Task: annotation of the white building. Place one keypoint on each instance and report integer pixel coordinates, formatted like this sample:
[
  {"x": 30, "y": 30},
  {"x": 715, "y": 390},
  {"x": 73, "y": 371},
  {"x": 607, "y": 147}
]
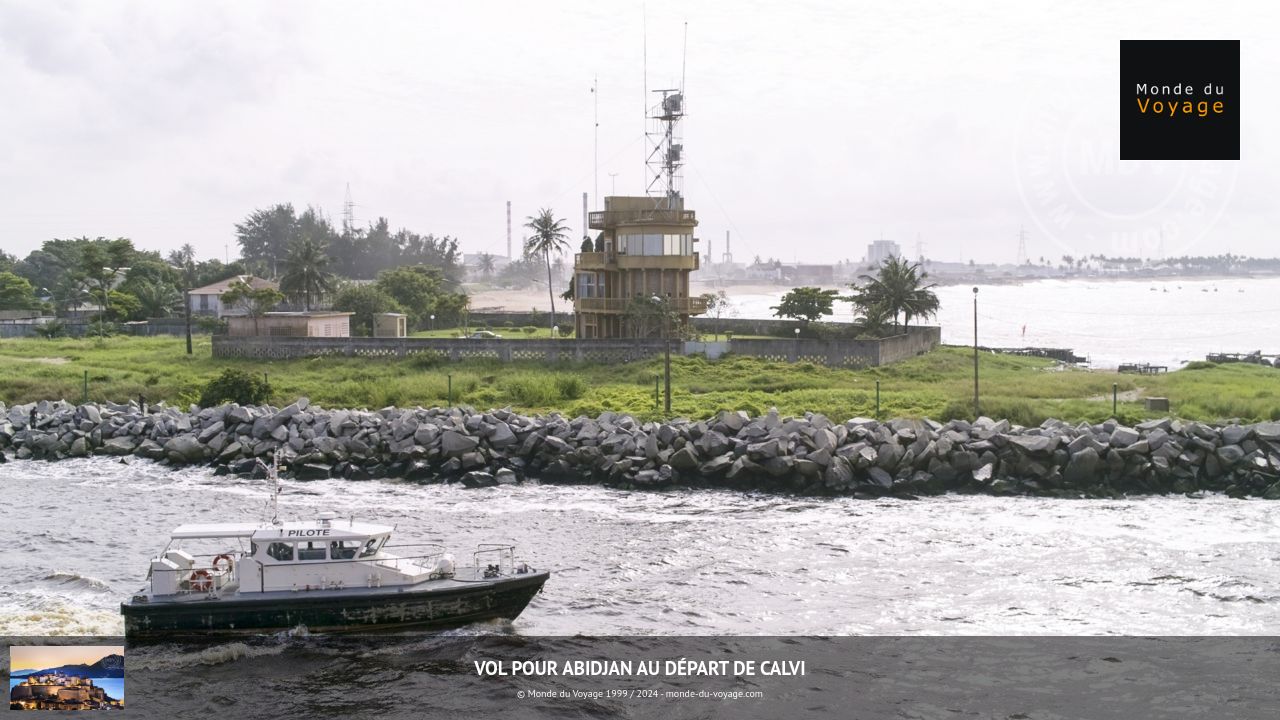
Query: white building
[
  {"x": 880, "y": 250},
  {"x": 207, "y": 300}
]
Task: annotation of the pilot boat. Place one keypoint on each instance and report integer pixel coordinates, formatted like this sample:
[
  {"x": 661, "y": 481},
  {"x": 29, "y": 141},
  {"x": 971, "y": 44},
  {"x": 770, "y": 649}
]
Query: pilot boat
[{"x": 327, "y": 574}]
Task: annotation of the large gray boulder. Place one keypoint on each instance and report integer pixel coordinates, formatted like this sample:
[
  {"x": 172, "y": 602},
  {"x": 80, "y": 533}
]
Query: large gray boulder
[{"x": 454, "y": 443}]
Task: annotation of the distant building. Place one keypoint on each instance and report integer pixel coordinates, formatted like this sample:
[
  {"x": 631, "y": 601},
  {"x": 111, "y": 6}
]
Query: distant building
[
  {"x": 292, "y": 324},
  {"x": 798, "y": 274},
  {"x": 769, "y": 270},
  {"x": 471, "y": 262},
  {"x": 880, "y": 250},
  {"x": 647, "y": 252},
  {"x": 390, "y": 325},
  {"x": 207, "y": 300}
]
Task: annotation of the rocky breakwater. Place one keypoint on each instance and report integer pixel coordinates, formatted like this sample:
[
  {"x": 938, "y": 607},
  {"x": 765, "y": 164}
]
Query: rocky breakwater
[{"x": 809, "y": 454}]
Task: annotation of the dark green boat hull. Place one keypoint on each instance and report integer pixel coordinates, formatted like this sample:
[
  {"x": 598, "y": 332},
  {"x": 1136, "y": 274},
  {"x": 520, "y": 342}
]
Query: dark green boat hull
[{"x": 348, "y": 610}]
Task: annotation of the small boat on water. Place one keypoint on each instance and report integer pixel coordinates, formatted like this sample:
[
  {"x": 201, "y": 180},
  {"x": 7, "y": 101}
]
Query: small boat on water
[{"x": 326, "y": 574}]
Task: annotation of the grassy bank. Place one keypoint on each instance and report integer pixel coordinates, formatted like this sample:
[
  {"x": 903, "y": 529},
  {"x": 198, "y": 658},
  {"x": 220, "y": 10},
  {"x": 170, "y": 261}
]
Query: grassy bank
[{"x": 937, "y": 385}]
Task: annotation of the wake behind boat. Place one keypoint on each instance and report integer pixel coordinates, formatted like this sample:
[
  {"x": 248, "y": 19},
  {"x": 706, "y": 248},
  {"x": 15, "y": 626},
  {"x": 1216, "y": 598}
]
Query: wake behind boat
[{"x": 328, "y": 574}]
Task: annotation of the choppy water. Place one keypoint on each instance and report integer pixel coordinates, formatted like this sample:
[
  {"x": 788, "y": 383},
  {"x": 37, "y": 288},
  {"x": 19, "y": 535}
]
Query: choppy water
[
  {"x": 78, "y": 534},
  {"x": 1163, "y": 322}
]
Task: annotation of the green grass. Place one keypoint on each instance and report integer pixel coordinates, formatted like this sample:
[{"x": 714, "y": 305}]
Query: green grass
[{"x": 937, "y": 385}]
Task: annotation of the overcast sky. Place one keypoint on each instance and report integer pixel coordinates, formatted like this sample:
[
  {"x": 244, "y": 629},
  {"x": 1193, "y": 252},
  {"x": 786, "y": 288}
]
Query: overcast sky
[{"x": 813, "y": 127}]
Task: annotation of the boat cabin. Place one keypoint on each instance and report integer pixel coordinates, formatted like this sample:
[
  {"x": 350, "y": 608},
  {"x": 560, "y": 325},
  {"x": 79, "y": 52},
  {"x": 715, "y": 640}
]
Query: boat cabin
[{"x": 325, "y": 553}]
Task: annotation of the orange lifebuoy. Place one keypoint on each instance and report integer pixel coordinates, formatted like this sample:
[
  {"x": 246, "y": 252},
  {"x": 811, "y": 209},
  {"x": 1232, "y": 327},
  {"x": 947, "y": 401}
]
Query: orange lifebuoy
[
  {"x": 201, "y": 581},
  {"x": 220, "y": 558}
]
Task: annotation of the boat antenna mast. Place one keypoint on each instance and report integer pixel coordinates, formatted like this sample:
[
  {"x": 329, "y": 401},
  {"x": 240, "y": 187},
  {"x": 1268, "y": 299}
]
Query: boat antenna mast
[{"x": 273, "y": 474}]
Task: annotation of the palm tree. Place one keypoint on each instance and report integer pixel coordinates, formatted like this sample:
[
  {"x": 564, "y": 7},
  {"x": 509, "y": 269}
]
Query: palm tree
[
  {"x": 549, "y": 235},
  {"x": 159, "y": 300},
  {"x": 306, "y": 272},
  {"x": 182, "y": 257},
  {"x": 896, "y": 290},
  {"x": 486, "y": 264}
]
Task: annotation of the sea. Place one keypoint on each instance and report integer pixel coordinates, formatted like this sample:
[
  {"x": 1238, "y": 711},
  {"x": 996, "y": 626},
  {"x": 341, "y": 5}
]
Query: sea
[
  {"x": 1165, "y": 321},
  {"x": 939, "y": 607},
  {"x": 693, "y": 562}
]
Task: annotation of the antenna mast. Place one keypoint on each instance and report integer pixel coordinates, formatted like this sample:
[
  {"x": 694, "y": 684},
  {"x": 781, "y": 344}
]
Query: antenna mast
[
  {"x": 595, "y": 96},
  {"x": 348, "y": 213}
]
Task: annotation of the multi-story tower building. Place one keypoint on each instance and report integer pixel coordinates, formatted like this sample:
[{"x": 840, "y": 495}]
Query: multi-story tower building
[
  {"x": 644, "y": 251},
  {"x": 643, "y": 255}
]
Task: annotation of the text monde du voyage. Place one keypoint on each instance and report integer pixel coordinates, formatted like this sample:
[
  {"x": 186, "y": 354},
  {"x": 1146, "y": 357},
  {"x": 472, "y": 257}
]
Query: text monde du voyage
[{"x": 1180, "y": 100}]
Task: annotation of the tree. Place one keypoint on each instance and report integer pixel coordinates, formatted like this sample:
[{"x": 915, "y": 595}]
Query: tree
[
  {"x": 549, "y": 236},
  {"x": 717, "y": 306},
  {"x": 420, "y": 291},
  {"x": 122, "y": 306},
  {"x": 264, "y": 236},
  {"x": 255, "y": 302},
  {"x": 156, "y": 300},
  {"x": 100, "y": 265},
  {"x": 486, "y": 264},
  {"x": 16, "y": 293},
  {"x": 7, "y": 261},
  {"x": 806, "y": 304},
  {"x": 365, "y": 301},
  {"x": 897, "y": 289},
  {"x": 649, "y": 315},
  {"x": 306, "y": 273},
  {"x": 183, "y": 256}
]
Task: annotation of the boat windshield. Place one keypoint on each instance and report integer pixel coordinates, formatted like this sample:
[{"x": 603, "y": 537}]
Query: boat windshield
[
  {"x": 343, "y": 549},
  {"x": 372, "y": 546}
]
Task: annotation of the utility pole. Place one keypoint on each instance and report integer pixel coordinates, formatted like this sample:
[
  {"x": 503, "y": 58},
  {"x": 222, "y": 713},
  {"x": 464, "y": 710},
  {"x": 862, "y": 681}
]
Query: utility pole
[
  {"x": 664, "y": 304},
  {"x": 509, "y": 256},
  {"x": 976, "y": 412},
  {"x": 187, "y": 308}
]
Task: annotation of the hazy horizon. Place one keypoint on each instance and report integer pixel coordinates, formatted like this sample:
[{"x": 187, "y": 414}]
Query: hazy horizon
[
  {"x": 44, "y": 657},
  {"x": 813, "y": 128}
]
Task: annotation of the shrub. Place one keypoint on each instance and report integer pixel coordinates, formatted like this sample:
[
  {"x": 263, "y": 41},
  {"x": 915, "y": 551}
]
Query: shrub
[
  {"x": 528, "y": 330},
  {"x": 236, "y": 386},
  {"x": 101, "y": 328},
  {"x": 570, "y": 387},
  {"x": 211, "y": 325},
  {"x": 1200, "y": 365},
  {"x": 50, "y": 330}
]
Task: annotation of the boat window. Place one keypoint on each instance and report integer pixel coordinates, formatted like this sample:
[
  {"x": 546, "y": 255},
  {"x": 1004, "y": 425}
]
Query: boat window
[
  {"x": 280, "y": 551},
  {"x": 310, "y": 552},
  {"x": 371, "y": 547},
  {"x": 343, "y": 549}
]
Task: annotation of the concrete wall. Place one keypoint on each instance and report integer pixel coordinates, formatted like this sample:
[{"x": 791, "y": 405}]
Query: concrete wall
[
  {"x": 280, "y": 348},
  {"x": 836, "y": 353}
]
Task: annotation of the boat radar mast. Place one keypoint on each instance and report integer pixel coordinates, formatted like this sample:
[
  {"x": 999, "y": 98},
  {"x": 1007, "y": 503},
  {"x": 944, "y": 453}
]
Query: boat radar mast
[{"x": 273, "y": 474}]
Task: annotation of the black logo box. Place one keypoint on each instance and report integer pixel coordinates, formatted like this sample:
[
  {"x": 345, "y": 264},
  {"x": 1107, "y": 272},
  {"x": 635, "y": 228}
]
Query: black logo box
[{"x": 1189, "y": 65}]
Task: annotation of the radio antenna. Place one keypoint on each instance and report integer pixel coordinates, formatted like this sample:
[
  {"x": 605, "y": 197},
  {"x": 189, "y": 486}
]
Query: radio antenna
[
  {"x": 274, "y": 474},
  {"x": 684, "y": 55}
]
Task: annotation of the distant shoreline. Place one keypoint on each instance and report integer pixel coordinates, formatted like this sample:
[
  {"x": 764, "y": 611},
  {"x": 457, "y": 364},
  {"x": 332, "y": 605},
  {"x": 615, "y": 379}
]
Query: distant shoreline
[{"x": 498, "y": 300}]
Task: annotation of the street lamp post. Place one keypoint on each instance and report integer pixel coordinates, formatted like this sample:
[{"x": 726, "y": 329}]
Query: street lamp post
[
  {"x": 666, "y": 354},
  {"x": 976, "y": 412},
  {"x": 433, "y": 323},
  {"x": 796, "y": 347}
]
